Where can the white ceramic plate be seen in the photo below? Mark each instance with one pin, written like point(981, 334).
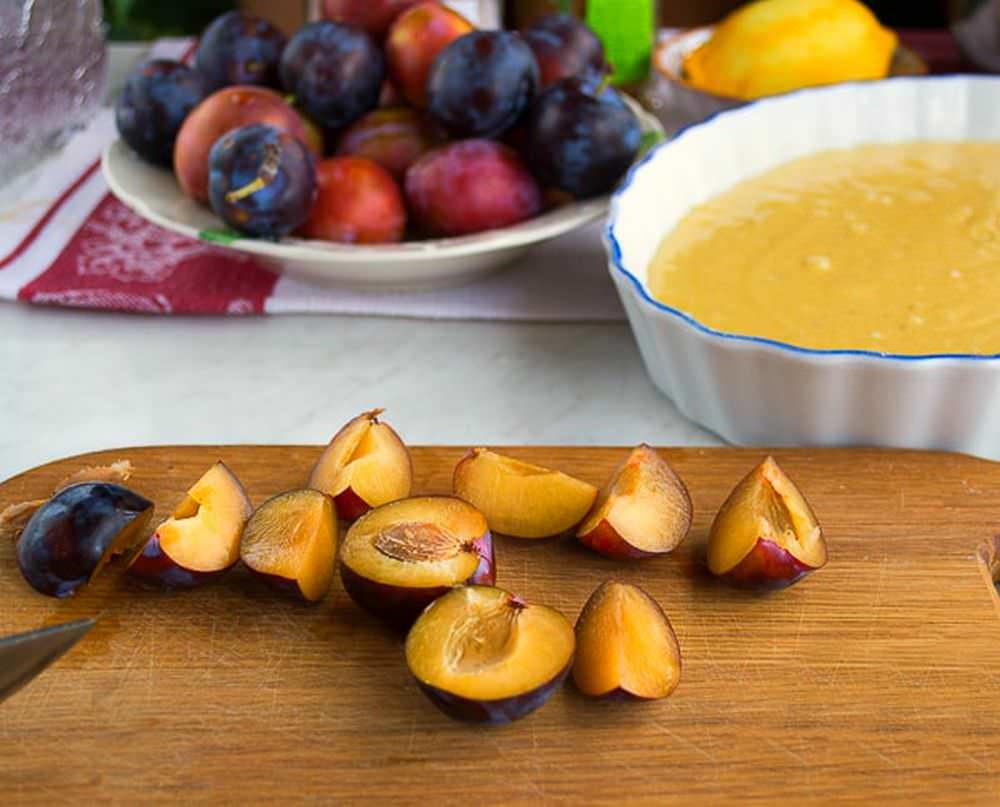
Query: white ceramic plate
point(761, 392)
point(154, 194)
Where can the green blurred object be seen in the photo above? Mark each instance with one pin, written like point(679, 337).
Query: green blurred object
point(627, 28)
point(219, 235)
point(148, 19)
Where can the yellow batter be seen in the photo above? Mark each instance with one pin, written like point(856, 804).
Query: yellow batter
point(892, 248)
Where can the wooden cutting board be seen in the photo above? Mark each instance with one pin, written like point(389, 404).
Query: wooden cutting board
point(876, 679)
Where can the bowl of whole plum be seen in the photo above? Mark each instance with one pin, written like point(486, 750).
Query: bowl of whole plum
point(390, 144)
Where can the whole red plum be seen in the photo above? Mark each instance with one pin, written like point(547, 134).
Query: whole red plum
point(470, 186)
point(225, 110)
point(414, 40)
point(394, 137)
point(358, 203)
point(372, 16)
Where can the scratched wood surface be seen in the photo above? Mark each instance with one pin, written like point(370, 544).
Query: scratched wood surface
point(876, 679)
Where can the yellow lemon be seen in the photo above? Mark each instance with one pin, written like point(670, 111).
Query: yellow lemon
point(773, 46)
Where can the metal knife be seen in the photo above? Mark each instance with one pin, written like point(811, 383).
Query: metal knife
point(25, 655)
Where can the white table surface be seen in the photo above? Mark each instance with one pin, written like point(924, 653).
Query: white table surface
point(77, 381)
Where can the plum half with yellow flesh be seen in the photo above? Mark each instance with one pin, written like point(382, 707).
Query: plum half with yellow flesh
point(365, 465)
point(483, 655)
point(625, 645)
point(201, 540)
point(290, 542)
point(70, 537)
point(520, 499)
point(398, 558)
point(765, 535)
point(643, 510)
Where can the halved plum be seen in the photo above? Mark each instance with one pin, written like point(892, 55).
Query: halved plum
point(14, 517)
point(643, 510)
point(68, 539)
point(483, 655)
point(400, 557)
point(625, 645)
point(765, 535)
point(520, 499)
point(201, 540)
point(291, 543)
point(365, 465)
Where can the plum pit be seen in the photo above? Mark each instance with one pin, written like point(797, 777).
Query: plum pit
point(399, 557)
point(413, 542)
point(482, 640)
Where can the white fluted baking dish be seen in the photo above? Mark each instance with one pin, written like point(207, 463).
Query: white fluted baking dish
point(757, 391)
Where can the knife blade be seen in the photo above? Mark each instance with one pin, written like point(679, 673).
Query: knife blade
point(25, 655)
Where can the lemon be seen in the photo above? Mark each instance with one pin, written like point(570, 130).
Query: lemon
point(773, 46)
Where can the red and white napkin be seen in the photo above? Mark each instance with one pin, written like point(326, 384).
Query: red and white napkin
point(65, 240)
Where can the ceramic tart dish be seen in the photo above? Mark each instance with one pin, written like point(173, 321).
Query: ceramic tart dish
point(756, 391)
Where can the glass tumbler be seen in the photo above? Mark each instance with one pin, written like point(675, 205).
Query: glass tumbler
point(53, 74)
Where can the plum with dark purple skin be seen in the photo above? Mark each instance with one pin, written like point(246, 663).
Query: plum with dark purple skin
point(290, 543)
point(72, 535)
point(200, 541)
point(400, 557)
point(483, 655)
point(153, 567)
point(156, 99)
point(496, 712)
point(396, 607)
point(240, 48)
point(262, 181)
point(223, 111)
point(565, 47)
point(334, 71)
point(581, 137)
point(481, 84)
point(765, 536)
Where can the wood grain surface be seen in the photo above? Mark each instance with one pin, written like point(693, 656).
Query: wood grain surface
point(877, 679)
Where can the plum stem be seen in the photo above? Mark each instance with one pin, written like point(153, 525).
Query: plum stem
point(265, 176)
point(250, 188)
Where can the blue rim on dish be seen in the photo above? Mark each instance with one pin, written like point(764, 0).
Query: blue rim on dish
point(615, 251)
